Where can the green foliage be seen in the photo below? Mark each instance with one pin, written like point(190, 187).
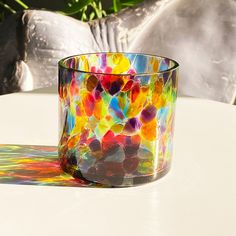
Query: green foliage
point(120, 4)
point(22, 4)
point(84, 10)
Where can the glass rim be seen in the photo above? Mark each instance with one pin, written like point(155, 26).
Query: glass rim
point(61, 64)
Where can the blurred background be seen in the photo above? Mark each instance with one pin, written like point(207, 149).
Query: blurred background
point(200, 35)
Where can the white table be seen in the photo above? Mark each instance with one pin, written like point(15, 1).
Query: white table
point(197, 197)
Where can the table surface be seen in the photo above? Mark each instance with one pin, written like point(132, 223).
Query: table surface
point(197, 197)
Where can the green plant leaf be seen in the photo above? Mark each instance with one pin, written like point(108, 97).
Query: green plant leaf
point(76, 6)
point(116, 5)
point(97, 9)
point(92, 15)
point(130, 3)
point(7, 7)
point(21, 3)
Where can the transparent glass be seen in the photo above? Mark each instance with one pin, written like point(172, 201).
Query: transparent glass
point(117, 117)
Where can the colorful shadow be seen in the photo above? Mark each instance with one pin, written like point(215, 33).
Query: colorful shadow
point(34, 165)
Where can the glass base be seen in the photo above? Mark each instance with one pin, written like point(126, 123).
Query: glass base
point(117, 181)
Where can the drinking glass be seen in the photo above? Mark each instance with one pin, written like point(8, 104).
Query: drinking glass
point(117, 117)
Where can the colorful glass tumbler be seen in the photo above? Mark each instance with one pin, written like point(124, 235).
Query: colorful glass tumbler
point(117, 117)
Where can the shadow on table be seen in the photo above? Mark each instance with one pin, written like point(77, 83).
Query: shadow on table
point(34, 165)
